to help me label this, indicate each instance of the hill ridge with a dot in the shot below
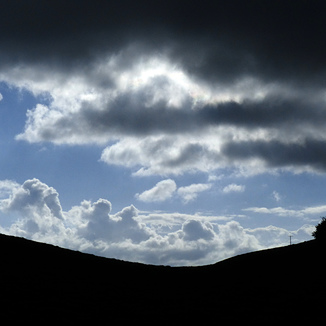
(269, 286)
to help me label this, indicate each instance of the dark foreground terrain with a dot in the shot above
(45, 284)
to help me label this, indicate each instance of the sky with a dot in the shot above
(172, 132)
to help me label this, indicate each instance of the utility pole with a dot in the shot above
(290, 239)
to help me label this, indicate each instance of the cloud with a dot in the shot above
(191, 192)
(213, 41)
(305, 155)
(214, 90)
(147, 106)
(156, 238)
(158, 113)
(165, 189)
(34, 196)
(281, 211)
(234, 188)
(37, 210)
(6, 187)
(210, 87)
(143, 122)
(162, 191)
(163, 154)
(276, 196)
(129, 105)
(195, 230)
(169, 220)
(95, 223)
(271, 235)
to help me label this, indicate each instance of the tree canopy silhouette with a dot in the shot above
(320, 231)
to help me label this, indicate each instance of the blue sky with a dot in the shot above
(185, 145)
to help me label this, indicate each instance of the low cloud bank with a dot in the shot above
(35, 212)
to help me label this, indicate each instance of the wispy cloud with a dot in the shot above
(233, 188)
(165, 189)
(276, 196)
(191, 192)
(281, 211)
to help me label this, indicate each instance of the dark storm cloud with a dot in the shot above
(270, 112)
(128, 114)
(310, 153)
(276, 40)
(215, 40)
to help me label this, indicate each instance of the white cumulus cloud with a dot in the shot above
(155, 238)
(33, 196)
(94, 222)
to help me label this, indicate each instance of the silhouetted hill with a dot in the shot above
(42, 283)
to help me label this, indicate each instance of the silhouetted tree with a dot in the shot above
(320, 231)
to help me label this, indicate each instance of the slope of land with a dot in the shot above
(43, 283)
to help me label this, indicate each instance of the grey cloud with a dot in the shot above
(288, 133)
(215, 43)
(273, 41)
(189, 155)
(214, 40)
(127, 115)
(60, 33)
(309, 153)
(271, 112)
(162, 155)
(195, 230)
(122, 119)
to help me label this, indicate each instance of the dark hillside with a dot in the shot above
(43, 283)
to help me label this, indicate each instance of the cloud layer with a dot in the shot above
(33, 210)
(232, 39)
(218, 88)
